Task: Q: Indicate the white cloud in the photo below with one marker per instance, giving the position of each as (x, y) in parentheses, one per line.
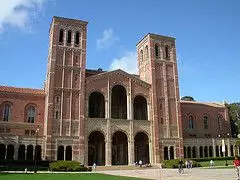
(107, 39)
(18, 13)
(128, 63)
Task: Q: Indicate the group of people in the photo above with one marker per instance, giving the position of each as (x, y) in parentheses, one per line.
(140, 163)
(188, 164)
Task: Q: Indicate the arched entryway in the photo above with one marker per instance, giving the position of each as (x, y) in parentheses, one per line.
(21, 152)
(2, 151)
(189, 152)
(205, 151)
(210, 151)
(96, 148)
(60, 153)
(10, 151)
(29, 152)
(171, 152)
(141, 147)
(201, 151)
(140, 108)
(194, 152)
(119, 102)
(119, 149)
(185, 152)
(96, 104)
(217, 151)
(68, 156)
(38, 152)
(165, 153)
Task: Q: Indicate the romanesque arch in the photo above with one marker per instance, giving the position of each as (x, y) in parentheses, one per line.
(165, 153)
(201, 151)
(29, 152)
(96, 106)
(68, 155)
(140, 108)
(2, 151)
(96, 148)
(141, 147)
(194, 152)
(10, 151)
(38, 152)
(60, 153)
(210, 151)
(21, 152)
(119, 102)
(205, 151)
(119, 148)
(171, 152)
(189, 152)
(217, 151)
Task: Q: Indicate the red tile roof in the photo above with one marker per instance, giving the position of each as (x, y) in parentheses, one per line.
(9, 89)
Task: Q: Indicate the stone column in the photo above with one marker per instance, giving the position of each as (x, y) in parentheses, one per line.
(214, 147)
(108, 145)
(129, 101)
(131, 144)
(150, 151)
(228, 146)
(15, 156)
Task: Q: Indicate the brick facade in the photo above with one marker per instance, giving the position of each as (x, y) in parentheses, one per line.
(108, 117)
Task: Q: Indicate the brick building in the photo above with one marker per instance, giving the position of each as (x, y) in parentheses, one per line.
(109, 117)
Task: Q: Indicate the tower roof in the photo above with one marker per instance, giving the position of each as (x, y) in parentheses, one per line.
(153, 35)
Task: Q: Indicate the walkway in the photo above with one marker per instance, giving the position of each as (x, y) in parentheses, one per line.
(172, 174)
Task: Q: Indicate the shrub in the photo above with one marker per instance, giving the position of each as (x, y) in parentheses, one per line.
(173, 163)
(67, 166)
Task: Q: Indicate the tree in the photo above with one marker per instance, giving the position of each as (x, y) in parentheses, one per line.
(234, 116)
(187, 98)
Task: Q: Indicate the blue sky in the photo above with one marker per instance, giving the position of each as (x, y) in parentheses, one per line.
(207, 36)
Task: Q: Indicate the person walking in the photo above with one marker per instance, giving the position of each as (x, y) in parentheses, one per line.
(140, 163)
(236, 163)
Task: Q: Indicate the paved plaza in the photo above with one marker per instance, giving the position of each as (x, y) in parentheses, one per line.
(172, 174)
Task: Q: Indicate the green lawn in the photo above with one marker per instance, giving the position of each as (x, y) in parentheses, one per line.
(67, 176)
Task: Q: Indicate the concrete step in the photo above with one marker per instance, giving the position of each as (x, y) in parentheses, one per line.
(123, 167)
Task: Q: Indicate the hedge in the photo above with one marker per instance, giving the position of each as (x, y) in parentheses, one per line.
(68, 166)
(212, 158)
(173, 163)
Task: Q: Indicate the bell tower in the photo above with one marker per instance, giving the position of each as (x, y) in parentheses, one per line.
(158, 66)
(65, 90)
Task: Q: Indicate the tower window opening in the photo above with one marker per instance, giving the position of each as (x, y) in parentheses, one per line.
(61, 36)
(69, 37)
(156, 50)
(167, 52)
(77, 38)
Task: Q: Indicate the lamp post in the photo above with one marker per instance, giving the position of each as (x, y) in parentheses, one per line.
(35, 158)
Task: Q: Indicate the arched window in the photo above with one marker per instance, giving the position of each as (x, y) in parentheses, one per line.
(77, 35)
(6, 112)
(191, 122)
(205, 122)
(57, 115)
(166, 52)
(156, 50)
(57, 99)
(141, 55)
(219, 123)
(69, 37)
(146, 52)
(61, 35)
(31, 113)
